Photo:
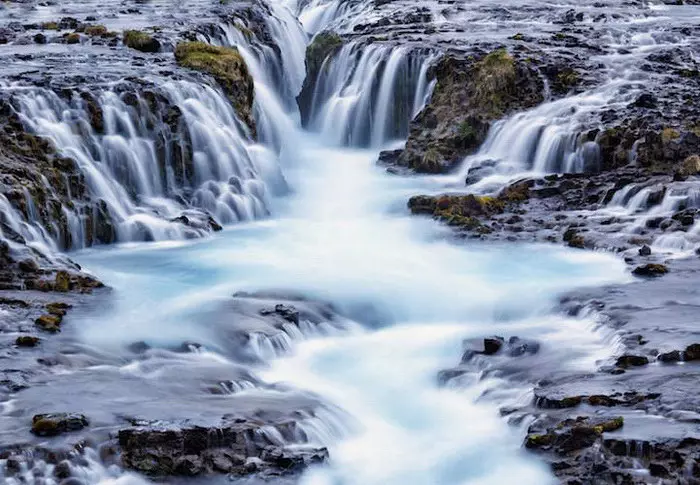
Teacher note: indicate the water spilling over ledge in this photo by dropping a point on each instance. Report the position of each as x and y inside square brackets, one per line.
[324, 335]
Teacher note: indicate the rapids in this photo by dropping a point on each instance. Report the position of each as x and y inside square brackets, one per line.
[316, 217]
[344, 237]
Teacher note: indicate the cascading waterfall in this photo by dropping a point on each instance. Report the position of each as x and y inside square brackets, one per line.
[366, 95]
[147, 172]
[545, 139]
[340, 15]
[277, 75]
[642, 205]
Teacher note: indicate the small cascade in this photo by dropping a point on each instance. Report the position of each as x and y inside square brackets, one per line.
[545, 139]
[158, 159]
[13, 227]
[342, 15]
[366, 95]
[276, 65]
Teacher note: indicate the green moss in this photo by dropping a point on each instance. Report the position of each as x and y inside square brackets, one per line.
[611, 425]
[72, 38]
[323, 45]
[96, 30]
[518, 36]
[538, 440]
[49, 26]
[494, 80]
[62, 282]
[58, 309]
[669, 134]
[49, 323]
[568, 77]
[467, 132]
[141, 41]
[690, 166]
[247, 33]
[229, 69]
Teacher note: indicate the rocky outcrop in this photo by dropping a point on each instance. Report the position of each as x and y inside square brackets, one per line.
[228, 68]
[469, 95]
[235, 446]
[324, 45]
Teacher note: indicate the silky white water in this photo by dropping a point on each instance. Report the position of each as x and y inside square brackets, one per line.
[344, 236]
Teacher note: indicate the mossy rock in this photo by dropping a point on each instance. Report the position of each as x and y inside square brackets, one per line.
[49, 323]
[59, 308]
[228, 68]
[27, 341]
[494, 80]
[141, 41]
[62, 283]
[650, 270]
[96, 30]
[72, 38]
[323, 45]
[690, 166]
[58, 423]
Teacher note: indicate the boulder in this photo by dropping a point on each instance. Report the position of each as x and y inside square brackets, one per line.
[650, 270]
[57, 423]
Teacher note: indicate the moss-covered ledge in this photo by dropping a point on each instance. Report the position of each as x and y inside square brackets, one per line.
[228, 68]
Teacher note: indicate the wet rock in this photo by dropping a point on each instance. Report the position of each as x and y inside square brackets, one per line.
[492, 345]
[625, 361]
[27, 341]
[49, 323]
[28, 266]
[650, 270]
[287, 312]
[518, 346]
[323, 46]
[646, 100]
[692, 352]
[234, 446]
[141, 41]
[645, 251]
[228, 68]
[673, 356]
[58, 423]
[62, 470]
[573, 434]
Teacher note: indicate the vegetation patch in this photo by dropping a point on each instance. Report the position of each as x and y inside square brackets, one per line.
[141, 41]
[227, 67]
[323, 45]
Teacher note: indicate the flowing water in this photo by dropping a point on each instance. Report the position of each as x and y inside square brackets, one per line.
[316, 217]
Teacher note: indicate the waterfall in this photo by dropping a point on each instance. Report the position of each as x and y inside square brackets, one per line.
[366, 95]
[277, 68]
[547, 138]
[155, 156]
[338, 15]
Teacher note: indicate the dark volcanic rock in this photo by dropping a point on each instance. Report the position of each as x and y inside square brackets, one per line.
[650, 270]
[55, 424]
[235, 446]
